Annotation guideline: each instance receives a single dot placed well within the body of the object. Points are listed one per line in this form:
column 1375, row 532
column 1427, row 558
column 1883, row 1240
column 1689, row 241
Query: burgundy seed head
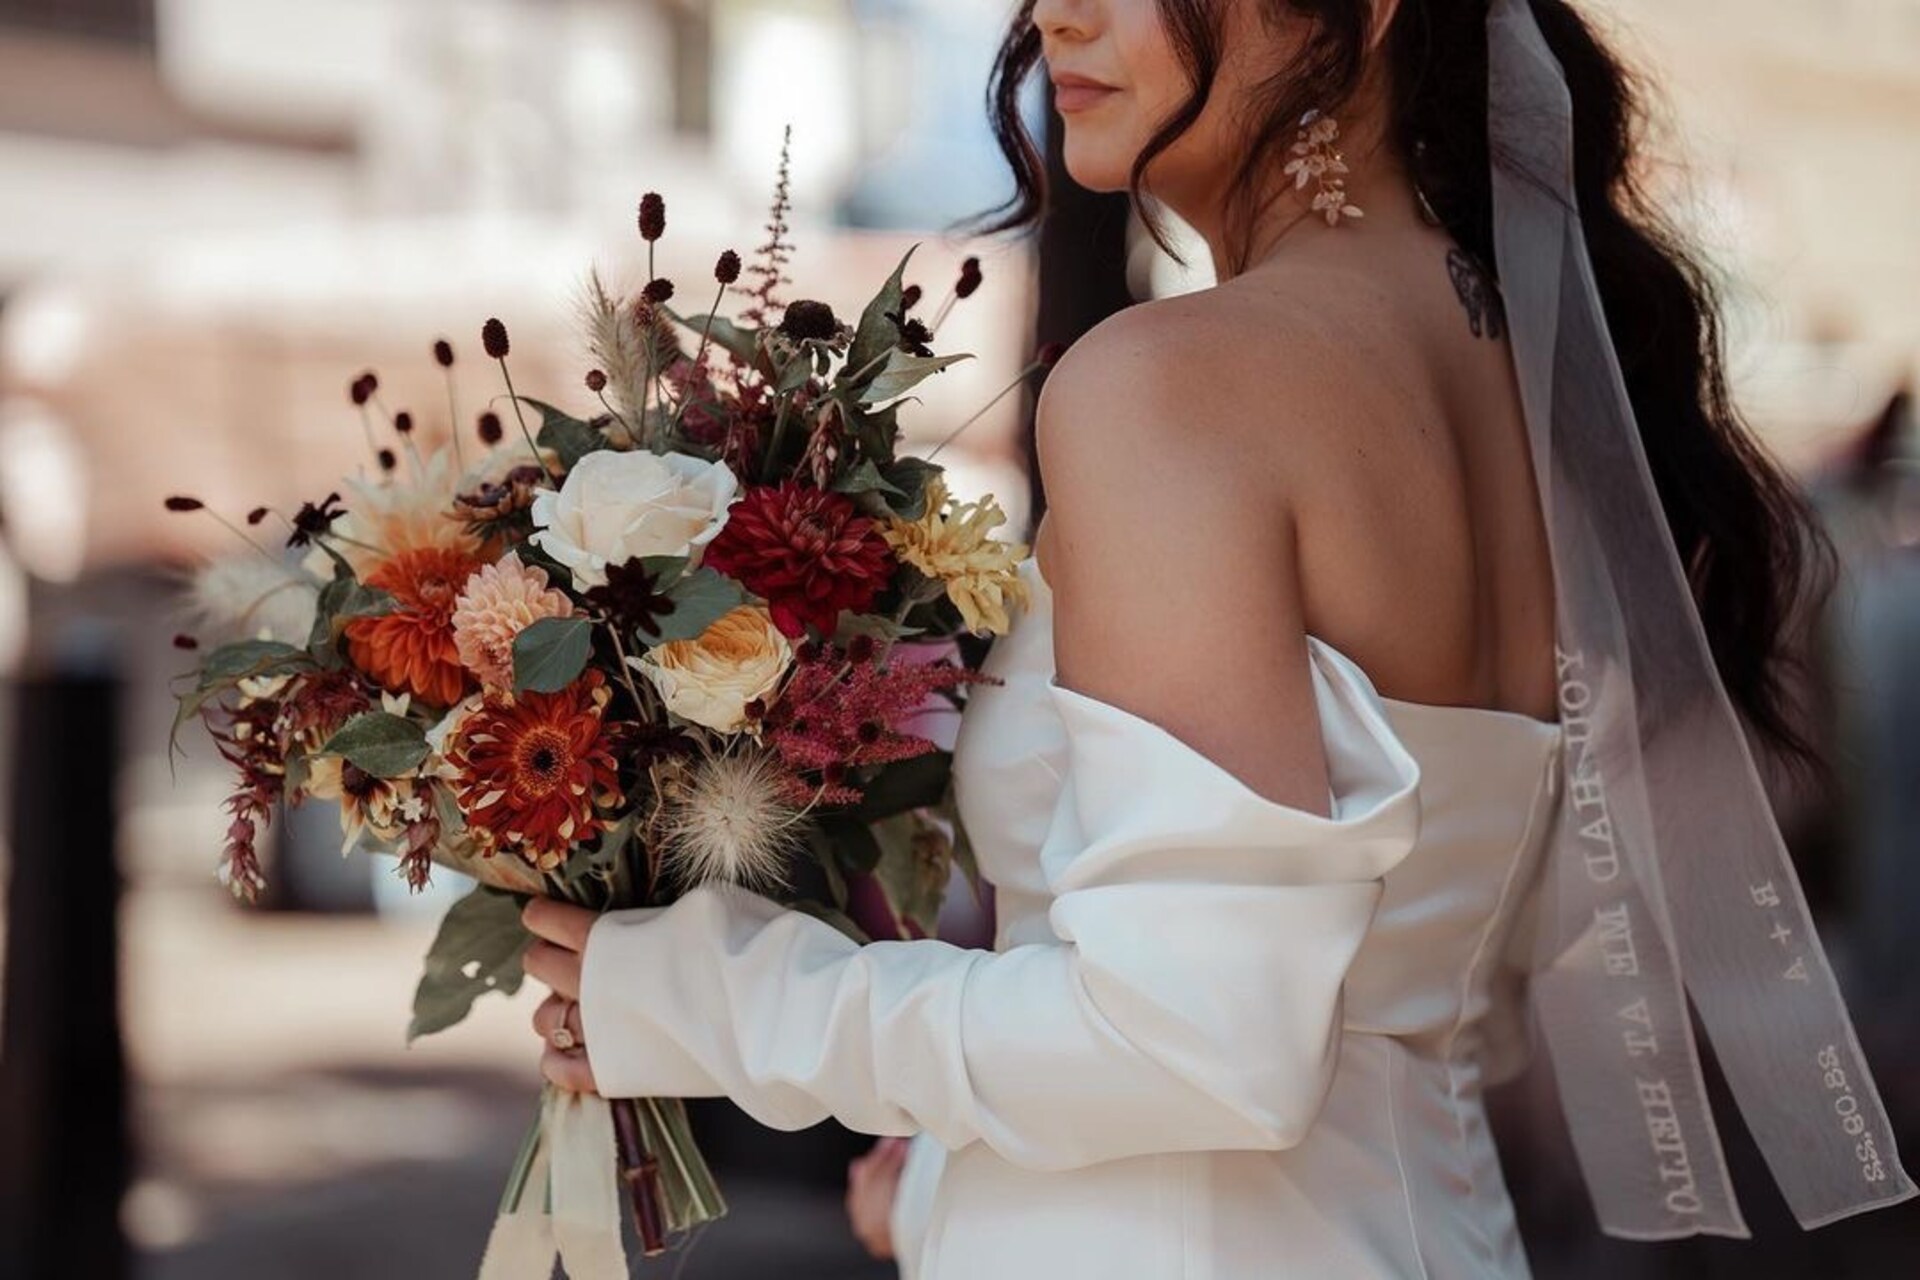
column 969, row 278
column 727, row 269
column 387, row 460
column 658, row 290
column 491, row 432
column 184, row 641
column 653, row 216
column 909, row 297
column 443, row 353
column 596, row 381
column 362, row 388
column 493, row 337
column 868, row 732
column 403, row 422
column 181, row 503
column 256, row 515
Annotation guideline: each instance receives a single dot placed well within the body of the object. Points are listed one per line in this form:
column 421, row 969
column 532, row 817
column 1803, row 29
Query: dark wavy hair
column 1755, row 554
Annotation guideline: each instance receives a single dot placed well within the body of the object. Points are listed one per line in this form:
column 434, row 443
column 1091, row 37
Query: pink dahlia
column 497, row 603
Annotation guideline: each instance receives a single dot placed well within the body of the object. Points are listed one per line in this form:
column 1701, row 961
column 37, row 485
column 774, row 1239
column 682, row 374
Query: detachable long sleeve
column 1191, row 1002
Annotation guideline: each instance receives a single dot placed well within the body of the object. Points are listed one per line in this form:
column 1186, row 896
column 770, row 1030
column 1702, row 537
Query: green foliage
column 902, row 372
column 906, row 784
column 478, row 949
column 875, row 334
column 699, row 599
column 864, row 477
column 385, row 745
column 915, row 864
column 342, row 600
column 565, row 434
column 225, row 667
column 909, row 476
column 550, row 655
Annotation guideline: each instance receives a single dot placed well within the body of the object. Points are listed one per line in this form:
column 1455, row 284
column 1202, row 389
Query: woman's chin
column 1095, row 171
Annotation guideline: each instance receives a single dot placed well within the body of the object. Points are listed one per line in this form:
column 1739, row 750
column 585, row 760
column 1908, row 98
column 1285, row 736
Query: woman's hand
column 560, row 935
column 872, row 1180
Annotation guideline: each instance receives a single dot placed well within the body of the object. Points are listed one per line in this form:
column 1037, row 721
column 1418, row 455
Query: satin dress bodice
column 1395, row 1175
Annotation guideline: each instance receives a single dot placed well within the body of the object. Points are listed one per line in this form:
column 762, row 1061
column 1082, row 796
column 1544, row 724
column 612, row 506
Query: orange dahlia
column 412, row 650
column 534, row 776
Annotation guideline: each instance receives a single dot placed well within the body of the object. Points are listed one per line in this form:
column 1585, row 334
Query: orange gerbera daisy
column 534, row 776
column 412, row 649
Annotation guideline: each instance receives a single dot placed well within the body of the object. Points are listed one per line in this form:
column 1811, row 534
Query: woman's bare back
column 1373, row 383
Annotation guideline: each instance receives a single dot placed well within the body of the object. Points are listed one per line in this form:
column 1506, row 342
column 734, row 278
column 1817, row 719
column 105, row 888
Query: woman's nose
column 1065, row 19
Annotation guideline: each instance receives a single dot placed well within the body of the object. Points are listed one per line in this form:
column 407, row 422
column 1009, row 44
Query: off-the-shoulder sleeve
column 1191, row 1002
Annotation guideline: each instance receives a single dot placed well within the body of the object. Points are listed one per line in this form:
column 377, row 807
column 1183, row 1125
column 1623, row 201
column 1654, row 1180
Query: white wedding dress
column 1218, row 1038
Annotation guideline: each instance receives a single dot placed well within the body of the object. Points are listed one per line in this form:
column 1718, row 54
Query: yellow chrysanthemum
column 950, row 542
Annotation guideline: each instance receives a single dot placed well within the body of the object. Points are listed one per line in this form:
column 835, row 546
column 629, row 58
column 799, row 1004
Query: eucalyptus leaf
column 478, row 949
column 903, row 372
column 666, row 570
column 385, row 745
column 550, row 654
column 699, row 600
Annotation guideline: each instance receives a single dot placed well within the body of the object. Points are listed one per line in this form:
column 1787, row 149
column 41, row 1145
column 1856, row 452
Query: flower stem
column 521, row 418
column 632, row 439
column 976, row 415
column 700, row 354
column 640, row 1170
column 453, row 422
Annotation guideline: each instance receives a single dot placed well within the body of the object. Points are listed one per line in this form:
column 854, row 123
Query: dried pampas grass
column 246, row 597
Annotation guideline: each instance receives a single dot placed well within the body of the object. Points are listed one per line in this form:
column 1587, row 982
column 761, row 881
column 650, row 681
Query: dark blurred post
column 1083, row 265
column 63, row 1122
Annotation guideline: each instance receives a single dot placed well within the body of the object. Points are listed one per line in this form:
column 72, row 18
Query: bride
column 1359, row 686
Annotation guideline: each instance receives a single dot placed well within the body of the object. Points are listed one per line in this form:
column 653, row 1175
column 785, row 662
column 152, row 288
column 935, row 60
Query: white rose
column 617, row 506
column 711, row 678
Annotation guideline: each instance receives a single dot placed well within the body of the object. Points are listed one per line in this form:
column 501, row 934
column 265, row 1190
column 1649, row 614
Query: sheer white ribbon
column 1667, row 876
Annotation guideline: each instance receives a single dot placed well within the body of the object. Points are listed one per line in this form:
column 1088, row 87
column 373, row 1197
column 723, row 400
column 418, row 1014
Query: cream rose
column 711, row 678
column 617, row 506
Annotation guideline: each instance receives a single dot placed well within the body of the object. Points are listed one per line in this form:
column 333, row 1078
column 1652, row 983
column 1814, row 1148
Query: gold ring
column 562, row 1037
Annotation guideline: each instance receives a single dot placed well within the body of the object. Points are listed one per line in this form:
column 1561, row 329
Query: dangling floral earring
column 1318, row 160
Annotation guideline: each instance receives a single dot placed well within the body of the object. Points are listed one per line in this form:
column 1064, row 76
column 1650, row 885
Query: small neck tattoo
column 1478, row 295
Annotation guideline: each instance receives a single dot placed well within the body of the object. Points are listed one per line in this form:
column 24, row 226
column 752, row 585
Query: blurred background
column 215, row 213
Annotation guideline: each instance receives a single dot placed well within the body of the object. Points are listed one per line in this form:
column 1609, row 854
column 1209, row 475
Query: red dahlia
column 808, row 552
column 534, row 775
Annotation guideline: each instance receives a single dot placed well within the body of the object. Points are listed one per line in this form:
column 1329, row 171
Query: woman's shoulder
column 1276, row 385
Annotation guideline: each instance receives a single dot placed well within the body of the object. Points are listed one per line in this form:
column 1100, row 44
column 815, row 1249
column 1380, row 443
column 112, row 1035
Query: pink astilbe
column 773, row 255
column 839, row 709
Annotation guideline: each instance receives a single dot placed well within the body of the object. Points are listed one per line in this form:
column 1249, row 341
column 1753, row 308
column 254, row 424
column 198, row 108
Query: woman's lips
column 1078, row 97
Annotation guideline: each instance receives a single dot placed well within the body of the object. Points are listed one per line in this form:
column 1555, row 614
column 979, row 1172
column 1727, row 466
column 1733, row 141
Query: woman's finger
column 561, row 923
column 554, row 965
column 557, row 1011
column 570, row 1071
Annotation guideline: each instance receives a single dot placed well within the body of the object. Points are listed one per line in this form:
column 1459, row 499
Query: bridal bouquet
column 607, row 657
